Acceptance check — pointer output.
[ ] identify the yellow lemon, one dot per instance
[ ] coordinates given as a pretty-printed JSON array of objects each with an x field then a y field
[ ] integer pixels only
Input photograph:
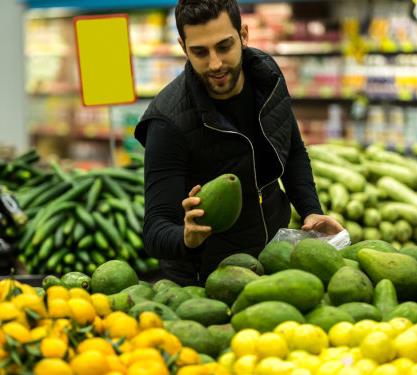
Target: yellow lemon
[
  {"x": 360, "y": 330},
  {"x": 125, "y": 347},
  {"x": 96, "y": 343},
  {"x": 227, "y": 360},
  {"x": 92, "y": 362},
  {"x": 310, "y": 338},
  {"x": 403, "y": 365},
  {"x": 273, "y": 366},
  {"x": 30, "y": 301},
  {"x": 356, "y": 354},
  {"x": 148, "y": 368},
  {"x": 379, "y": 347},
  {"x": 115, "y": 364},
  {"x": 79, "y": 293},
  {"x": 387, "y": 328},
  {"x": 301, "y": 371},
  {"x": 245, "y": 364},
  {"x": 297, "y": 354},
  {"x": 406, "y": 344},
  {"x": 101, "y": 303},
  {"x": 113, "y": 317},
  {"x": 271, "y": 345},
  {"x": 146, "y": 354},
  {"x": 82, "y": 311},
  {"x": 340, "y": 334},
  {"x": 287, "y": 329},
  {"x": 38, "y": 333},
  {"x": 348, "y": 370},
  {"x": 244, "y": 342},
  {"x": 309, "y": 362},
  {"x": 329, "y": 354},
  {"x": 58, "y": 308},
  {"x": 400, "y": 324},
  {"x": 157, "y": 337},
  {"x": 98, "y": 325},
  {"x": 8, "y": 311},
  {"x": 386, "y": 369},
  {"x": 52, "y": 366},
  {"x": 125, "y": 326},
  {"x": 57, "y": 291},
  {"x": 53, "y": 347},
  {"x": 330, "y": 368},
  {"x": 17, "y": 331},
  {"x": 149, "y": 319},
  {"x": 187, "y": 356},
  {"x": 366, "y": 366},
  {"x": 412, "y": 370}
]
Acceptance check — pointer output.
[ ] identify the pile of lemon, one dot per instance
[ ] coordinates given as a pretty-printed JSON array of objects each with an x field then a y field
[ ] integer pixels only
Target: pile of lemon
[
  {"x": 367, "y": 347},
  {"x": 70, "y": 332}
]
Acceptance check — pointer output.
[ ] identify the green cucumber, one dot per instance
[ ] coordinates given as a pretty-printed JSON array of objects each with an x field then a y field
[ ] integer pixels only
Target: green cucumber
[
  {"x": 54, "y": 260},
  {"x": 108, "y": 230},
  {"x": 46, "y": 229},
  {"x": 385, "y": 297},
  {"x": 75, "y": 191},
  {"x": 97, "y": 258},
  {"x": 134, "y": 239},
  {"x": 51, "y": 194},
  {"x": 79, "y": 231},
  {"x": 120, "y": 223},
  {"x": 93, "y": 194},
  {"x": 100, "y": 240},
  {"x": 85, "y": 217},
  {"x": 59, "y": 237},
  {"x": 69, "y": 225},
  {"x": 69, "y": 258},
  {"x": 46, "y": 247},
  {"x": 114, "y": 188},
  {"x": 86, "y": 242},
  {"x": 84, "y": 257}
]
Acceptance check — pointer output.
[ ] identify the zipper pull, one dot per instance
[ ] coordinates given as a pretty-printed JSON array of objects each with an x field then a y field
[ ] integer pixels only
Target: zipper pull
[{"x": 260, "y": 196}]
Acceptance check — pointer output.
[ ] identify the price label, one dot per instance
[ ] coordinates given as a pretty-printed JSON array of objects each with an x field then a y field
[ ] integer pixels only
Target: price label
[{"x": 104, "y": 59}]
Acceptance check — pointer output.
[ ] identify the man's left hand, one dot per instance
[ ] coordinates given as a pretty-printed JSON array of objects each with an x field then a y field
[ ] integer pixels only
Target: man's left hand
[{"x": 322, "y": 223}]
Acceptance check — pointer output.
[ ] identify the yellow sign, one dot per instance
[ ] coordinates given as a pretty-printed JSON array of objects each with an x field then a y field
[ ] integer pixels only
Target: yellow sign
[{"x": 104, "y": 59}]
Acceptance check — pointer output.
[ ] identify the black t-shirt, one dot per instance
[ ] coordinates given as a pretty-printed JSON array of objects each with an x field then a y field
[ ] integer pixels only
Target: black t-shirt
[{"x": 241, "y": 111}]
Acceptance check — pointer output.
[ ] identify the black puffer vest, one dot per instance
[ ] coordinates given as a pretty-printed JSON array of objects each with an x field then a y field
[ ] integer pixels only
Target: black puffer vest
[{"x": 215, "y": 147}]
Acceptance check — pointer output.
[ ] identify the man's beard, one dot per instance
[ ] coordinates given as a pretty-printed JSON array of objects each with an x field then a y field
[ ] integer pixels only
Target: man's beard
[{"x": 232, "y": 75}]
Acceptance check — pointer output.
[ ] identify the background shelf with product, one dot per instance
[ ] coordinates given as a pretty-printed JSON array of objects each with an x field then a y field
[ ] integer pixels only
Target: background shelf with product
[{"x": 332, "y": 55}]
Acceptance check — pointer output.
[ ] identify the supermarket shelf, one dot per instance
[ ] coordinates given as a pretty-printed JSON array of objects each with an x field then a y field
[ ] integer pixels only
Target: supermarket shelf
[
  {"x": 348, "y": 100},
  {"x": 98, "y": 135},
  {"x": 301, "y": 48},
  {"x": 120, "y": 4}
]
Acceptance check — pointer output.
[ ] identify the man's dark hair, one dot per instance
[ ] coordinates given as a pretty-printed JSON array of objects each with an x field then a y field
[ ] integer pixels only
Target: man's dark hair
[{"x": 196, "y": 12}]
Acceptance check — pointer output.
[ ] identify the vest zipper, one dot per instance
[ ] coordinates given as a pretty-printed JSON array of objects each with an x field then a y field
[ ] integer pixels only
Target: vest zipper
[
  {"x": 254, "y": 168},
  {"x": 260, "y": 124},
  {"x": 253, "y": 155}
]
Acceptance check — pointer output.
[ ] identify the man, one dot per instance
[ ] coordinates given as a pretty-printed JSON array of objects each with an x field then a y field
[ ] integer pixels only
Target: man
[{"x": 228, "y": 112}]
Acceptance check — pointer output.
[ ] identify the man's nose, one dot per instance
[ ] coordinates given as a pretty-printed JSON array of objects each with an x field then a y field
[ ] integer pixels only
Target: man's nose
[{"x": 215, "y": 62}]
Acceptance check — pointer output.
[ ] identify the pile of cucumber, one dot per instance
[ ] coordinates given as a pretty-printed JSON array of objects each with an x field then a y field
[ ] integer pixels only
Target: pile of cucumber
[
  {"x": 79, "y": 220},
  {"x": 371, "y": 191}
]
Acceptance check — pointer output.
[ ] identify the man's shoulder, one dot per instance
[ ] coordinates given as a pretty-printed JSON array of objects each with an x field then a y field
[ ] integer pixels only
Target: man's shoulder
[
  {"x": 257, "y": 56},
  {"x": 174, "y": 89}
]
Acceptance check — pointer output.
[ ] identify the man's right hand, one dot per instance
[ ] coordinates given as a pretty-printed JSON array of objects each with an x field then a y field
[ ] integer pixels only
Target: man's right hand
[{"x": 194, "y": 234}]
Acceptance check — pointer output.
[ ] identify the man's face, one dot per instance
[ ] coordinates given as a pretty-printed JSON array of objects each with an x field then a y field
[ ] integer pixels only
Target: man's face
[{"x": 215, "y": 52}]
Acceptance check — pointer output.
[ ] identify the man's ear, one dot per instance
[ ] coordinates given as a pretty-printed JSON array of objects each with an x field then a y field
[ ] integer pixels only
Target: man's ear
[
  {"x": 182, "y": 44},
  {"x": 244, "y": 35}
]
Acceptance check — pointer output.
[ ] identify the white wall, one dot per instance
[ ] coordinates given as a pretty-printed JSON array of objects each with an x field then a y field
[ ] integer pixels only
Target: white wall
[{"x": 12, "y": 96}]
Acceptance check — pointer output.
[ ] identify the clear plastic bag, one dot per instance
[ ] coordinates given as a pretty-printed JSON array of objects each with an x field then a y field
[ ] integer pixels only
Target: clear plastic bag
[{"x": 339, "y": 240}]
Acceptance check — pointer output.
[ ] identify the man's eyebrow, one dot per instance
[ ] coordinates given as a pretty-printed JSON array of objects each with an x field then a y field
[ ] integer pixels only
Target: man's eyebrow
[{"x": 230, "y": 38}]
